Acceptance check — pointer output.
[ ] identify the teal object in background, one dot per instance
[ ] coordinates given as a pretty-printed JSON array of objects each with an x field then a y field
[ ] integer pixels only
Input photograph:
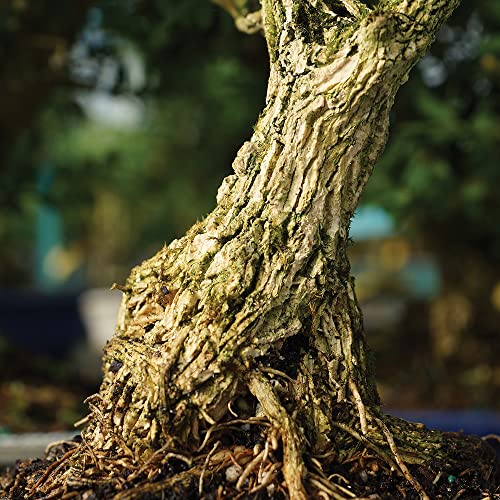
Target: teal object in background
[
  {"x": 370, "y": 222},
  {"x": 49, "y": 234},
  {"x": 422, "y": 277}
]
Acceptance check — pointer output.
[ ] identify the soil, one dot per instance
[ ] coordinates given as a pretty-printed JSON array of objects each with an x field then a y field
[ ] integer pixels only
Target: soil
[
  {"x": 42, "y": 393},
  {"x": 363, "y": 476}
]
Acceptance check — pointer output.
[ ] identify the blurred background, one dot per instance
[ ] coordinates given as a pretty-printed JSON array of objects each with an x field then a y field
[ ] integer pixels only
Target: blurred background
[{"x": 118, "y": 121}]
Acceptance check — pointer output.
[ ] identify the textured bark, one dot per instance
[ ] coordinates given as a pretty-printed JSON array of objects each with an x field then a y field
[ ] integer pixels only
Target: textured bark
[
  {"x": 253, "y": 312},
  {"x": 269, "y": 264}
]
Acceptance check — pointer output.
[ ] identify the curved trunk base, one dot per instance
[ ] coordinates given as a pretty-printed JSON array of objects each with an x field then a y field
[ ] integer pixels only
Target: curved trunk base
[{"x": 268, "y": 456}]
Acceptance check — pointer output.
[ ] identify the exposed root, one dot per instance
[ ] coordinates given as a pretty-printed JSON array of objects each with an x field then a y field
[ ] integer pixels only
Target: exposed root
[
  {"x": 325, "y": 484},
  {"x": 218, "y": 427},
  {"x": 52, "y": 468},
  {"x": 268, "y": 477},
  {"x": 162, "y": 454},
  {"x": 361, "y": 407},
  {"x": 205, "y": 465},
  {"x": 266, "y": 455},
  {"x": 399, "y": 460},
  {"x": 232, "y": 469},
  {"x": 258, "y": 460},
  {"x": 293, "y": 439},
  {"x": 379, "y": 451}
]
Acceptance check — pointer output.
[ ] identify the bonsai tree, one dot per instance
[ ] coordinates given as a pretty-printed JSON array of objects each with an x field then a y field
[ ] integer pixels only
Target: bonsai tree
[{"x": 239, "y": 364}]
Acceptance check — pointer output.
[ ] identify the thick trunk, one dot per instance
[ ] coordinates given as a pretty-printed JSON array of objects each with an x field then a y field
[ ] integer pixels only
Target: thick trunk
[{"x": 252, "y": 315}]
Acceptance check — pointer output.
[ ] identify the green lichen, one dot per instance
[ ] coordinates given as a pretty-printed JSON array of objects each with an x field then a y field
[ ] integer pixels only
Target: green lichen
[{"x": 273, "y": 20}]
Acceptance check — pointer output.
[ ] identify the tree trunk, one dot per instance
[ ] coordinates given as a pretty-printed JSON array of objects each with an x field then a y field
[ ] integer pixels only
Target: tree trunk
[{"x": 251, "y": 318}]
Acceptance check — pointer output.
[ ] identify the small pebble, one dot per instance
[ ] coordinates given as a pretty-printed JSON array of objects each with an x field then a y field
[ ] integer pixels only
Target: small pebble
[{"x": 233, "y": 473}]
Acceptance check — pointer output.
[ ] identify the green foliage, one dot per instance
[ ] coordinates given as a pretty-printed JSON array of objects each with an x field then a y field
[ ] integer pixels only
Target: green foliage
[
  {"x": 203, "y": 89},
  {"x": 123, "y": 192},
  {"x": 441, "y": 164}
]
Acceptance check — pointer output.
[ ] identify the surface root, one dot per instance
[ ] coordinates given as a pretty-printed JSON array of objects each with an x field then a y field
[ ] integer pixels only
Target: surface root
[{"x": 268, "y": 456}]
